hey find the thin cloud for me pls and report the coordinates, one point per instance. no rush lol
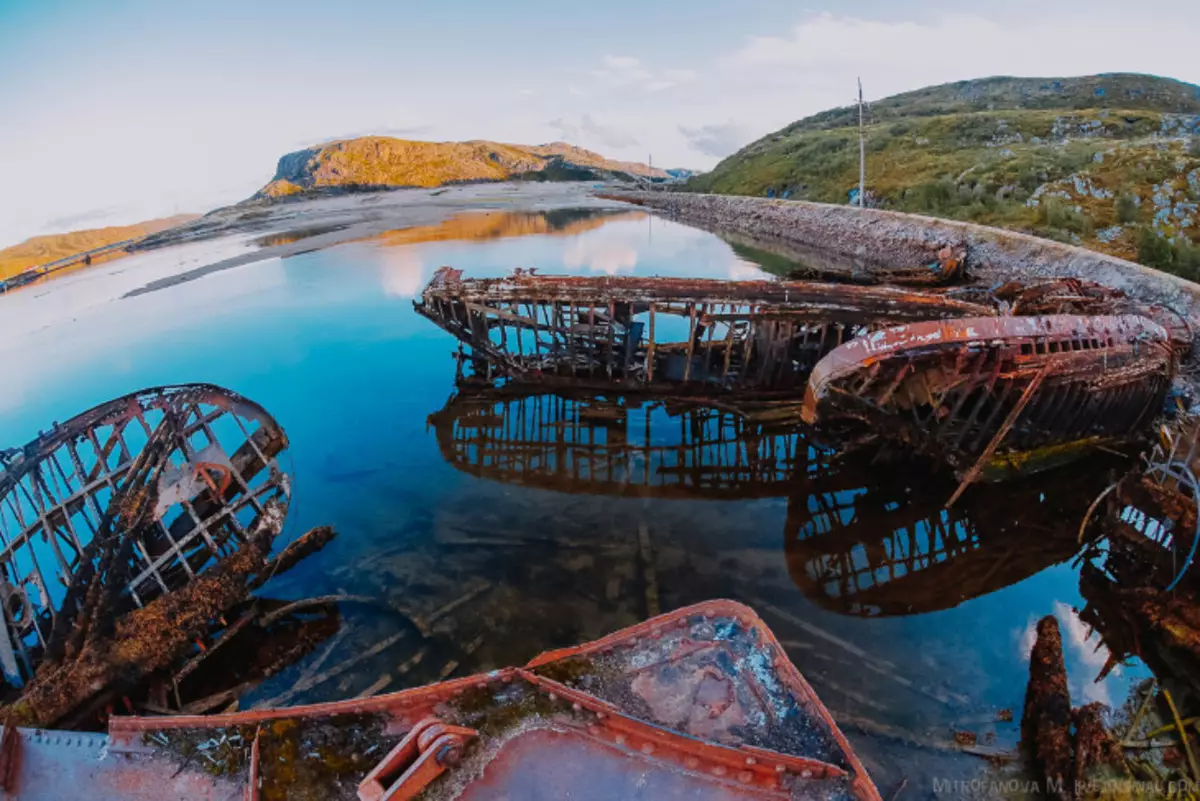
(629, 71)
(907, 54)
(586, 131)
(717, 140)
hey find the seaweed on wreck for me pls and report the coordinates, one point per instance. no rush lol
(143, 641)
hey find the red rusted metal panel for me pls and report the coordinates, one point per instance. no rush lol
(698, 703)
(998, 394)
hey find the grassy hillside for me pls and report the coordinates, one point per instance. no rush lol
(1111, 162)
(43, 249)
(373, 162)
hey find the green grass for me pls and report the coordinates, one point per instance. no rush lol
(995, 152)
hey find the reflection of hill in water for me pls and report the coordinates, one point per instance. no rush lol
(503, 224)
(858, 538)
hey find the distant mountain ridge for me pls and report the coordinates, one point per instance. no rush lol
(381, 162)
(41, 250)
(1110, 162)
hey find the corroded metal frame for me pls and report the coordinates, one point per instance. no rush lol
(70, 489)
(687, 334)
(960, 389)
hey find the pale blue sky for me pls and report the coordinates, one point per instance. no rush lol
(121, 110)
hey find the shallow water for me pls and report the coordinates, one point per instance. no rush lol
(501, 528)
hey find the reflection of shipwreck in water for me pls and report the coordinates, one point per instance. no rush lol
(856, 542)
(128, 532)
(990, 394)
(999, 394)
(1142, 584)
(879, 549)
(616, 444)
(689, 335)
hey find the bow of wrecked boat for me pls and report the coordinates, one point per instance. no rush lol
(698, 703)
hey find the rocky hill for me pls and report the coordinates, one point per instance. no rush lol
(1111, 162)
(44, 249)
(380, 162)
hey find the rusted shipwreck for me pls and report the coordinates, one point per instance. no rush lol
(994, 382)
(693, 336)
(698, 703)
(1142, 583)
(992, 395)
(177, 475)
(128, 533)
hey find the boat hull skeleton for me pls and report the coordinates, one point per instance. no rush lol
(690, 335)
(697, 703)
(152, 487)
(993, 396)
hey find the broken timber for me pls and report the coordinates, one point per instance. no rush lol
(690, 335)
(998, 395)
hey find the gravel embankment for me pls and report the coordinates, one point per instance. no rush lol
(888, 239)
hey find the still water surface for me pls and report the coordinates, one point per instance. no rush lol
(489, 529)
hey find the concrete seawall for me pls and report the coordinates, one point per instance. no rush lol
(888, 239)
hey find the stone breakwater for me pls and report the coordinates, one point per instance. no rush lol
(870, 238)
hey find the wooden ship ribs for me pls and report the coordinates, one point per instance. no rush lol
(994, 386)
(141, 493)
(686, 334)
(994, 395)
(1143, 587)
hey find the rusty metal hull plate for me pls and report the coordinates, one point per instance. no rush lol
(54, 765)
(699, 703)
(975, 389)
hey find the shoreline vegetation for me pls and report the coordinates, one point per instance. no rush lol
(1109, 162)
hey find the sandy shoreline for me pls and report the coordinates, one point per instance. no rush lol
(306, 225)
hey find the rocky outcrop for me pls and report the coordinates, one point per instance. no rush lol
(380, 162)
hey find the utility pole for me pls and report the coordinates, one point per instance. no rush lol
(862, 152)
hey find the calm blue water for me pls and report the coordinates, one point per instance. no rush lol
(329, 343)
